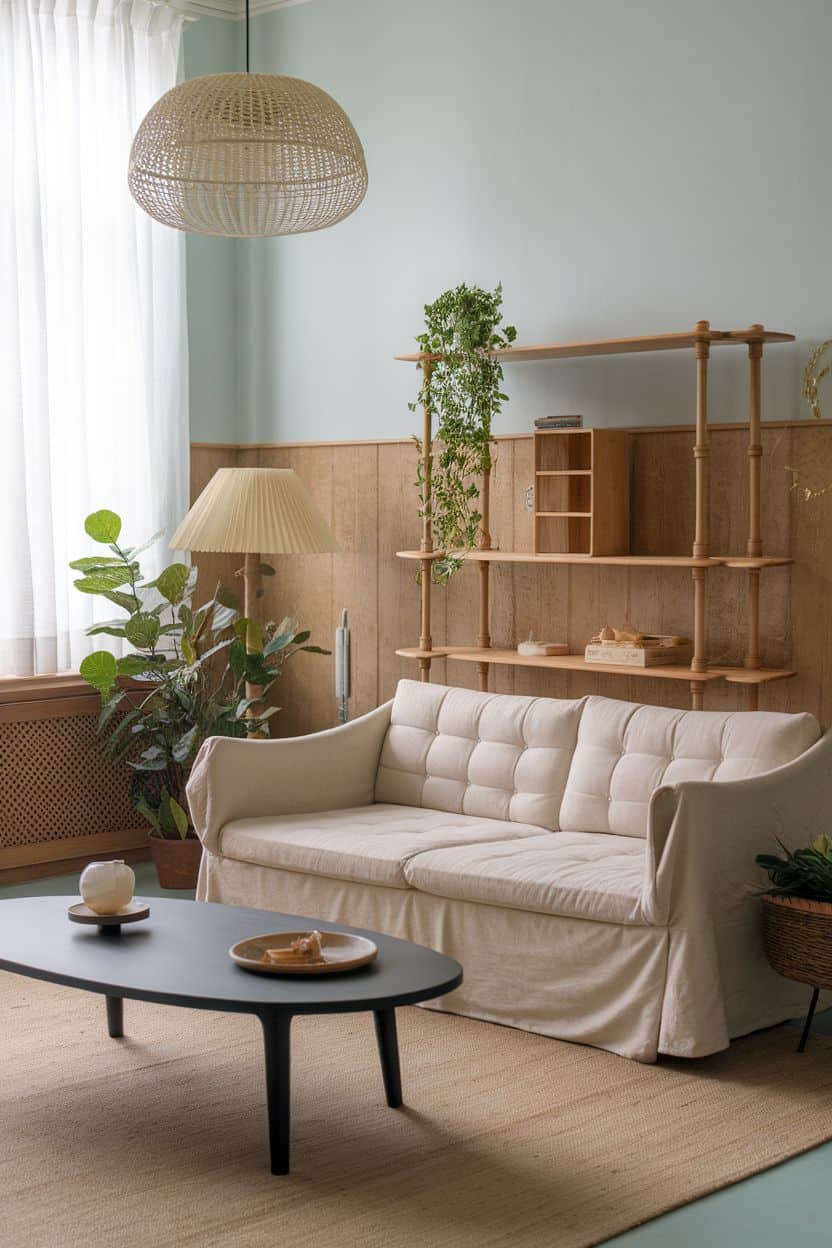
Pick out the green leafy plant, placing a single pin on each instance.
(184, 675)
(802, 872)
(462, 390)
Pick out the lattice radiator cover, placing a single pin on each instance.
(56, 785)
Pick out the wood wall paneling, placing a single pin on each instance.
(367, 492)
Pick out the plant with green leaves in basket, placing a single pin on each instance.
(803, 872)
(462, 391)
(183, 677)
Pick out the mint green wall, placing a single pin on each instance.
(622, 168)
(210, 46)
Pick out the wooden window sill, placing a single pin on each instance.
(36, 688)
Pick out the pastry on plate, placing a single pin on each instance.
(306, 948)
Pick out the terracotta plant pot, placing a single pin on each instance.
(798, 938)
(177, 862)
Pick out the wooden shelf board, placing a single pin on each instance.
(752, 676)
(566, 515)
(527, 556)
(629, 561)
(438, 652)
(621, 346)
(563, 472)
(420, 554)
(576, 663)
(568, 433)
(754, 561)
(563, 662)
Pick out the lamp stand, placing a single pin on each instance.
(251, 587)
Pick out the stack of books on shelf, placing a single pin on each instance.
(559, 422)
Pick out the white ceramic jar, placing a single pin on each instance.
(107, 886)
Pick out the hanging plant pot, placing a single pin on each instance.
(176, 861)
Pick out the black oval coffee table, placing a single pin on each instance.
(179, 956)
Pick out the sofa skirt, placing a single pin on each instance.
(571, 979)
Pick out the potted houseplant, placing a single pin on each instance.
(181, 679)
(797, 916)
(462, 390)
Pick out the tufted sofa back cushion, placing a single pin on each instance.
(486, 754)
(624, 751)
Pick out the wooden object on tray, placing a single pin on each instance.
(582, 514)
(582, 491)
(631, 648)
(637, 656)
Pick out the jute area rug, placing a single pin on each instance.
(508, 1139)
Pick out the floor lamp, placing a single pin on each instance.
(252, 512)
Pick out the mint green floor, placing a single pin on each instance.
(787, 1207)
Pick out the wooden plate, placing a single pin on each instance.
(341, 952)
(131, 913)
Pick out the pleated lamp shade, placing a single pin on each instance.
(255, 511)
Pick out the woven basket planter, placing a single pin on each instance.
(798, 938)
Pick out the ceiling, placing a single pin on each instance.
(233, 9)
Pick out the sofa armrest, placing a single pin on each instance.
(703, 884)
(702, 833)
(236, 778)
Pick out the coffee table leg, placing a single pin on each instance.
(388, 1051)
(115, 1017)
(276, 1029)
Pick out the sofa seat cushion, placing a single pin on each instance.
(365, 844)
(586, 875)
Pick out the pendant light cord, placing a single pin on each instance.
(248, 39)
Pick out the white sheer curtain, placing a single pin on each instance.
(93, 346)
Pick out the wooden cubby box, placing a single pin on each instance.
(581, 492)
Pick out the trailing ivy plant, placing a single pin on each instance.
(184, 674)
(462, 390)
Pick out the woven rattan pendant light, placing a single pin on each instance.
(247, 155)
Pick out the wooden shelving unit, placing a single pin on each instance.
(573, 469)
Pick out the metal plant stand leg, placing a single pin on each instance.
(388, 1051)
(276, 1028)
(115, 1017)
(807, 1026)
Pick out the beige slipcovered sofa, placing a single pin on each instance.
(590, 862)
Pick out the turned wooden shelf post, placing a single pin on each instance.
(484, 634)
(754, 545)
(426, 544)
(701, 451)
